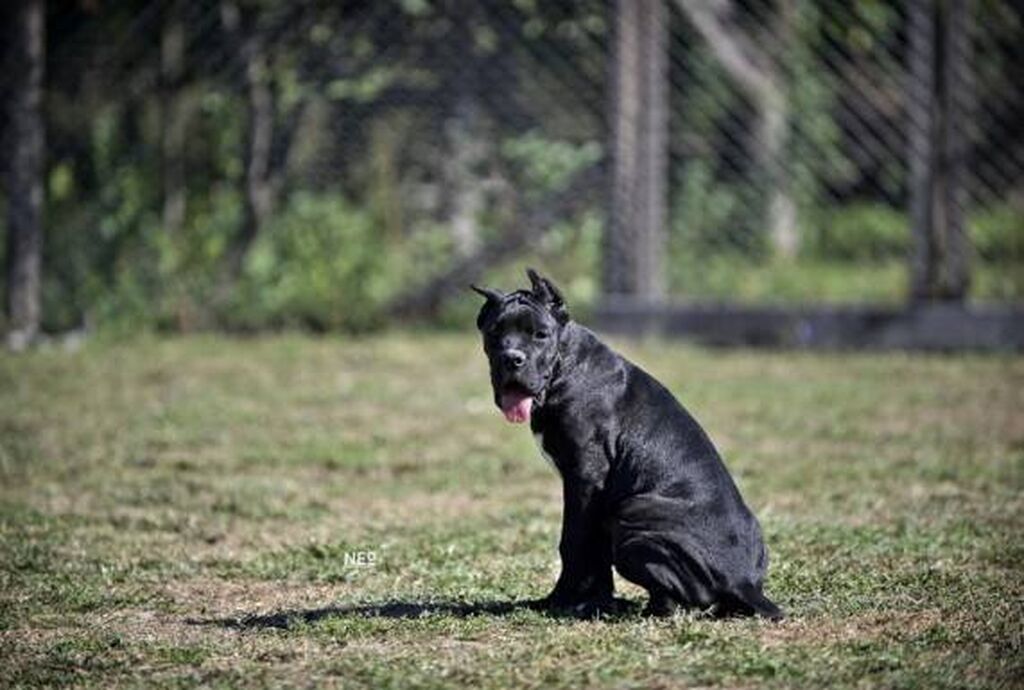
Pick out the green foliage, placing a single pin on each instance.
(868, 232)
(359, 159)
(813, 156)
(708, 217)
(734, 278)
(191, 265)
(99, 252)
(570, 253)
(320, 264)
(997, 234)
(858, 232)
(731, 278)
(549, 163)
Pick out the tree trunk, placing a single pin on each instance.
(751, 69)
(467, 152)
(465, 144)
(774, 113)
(635, 237)
(172, 64)
(782, 214)
(259, 185)
(24, 153)
(259, 196)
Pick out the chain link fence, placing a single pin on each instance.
(253, 163)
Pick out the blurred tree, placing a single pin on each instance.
(753, 70)
(174, 115)
(184, 138)
(464, 131)
(24, 156)
(249, 44)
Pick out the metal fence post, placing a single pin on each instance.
(956, 101)
(635, 235)
(921, 108)
(939, 89)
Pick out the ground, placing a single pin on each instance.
(313, 511)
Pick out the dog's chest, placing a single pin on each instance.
(539, 438)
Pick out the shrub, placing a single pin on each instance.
(320, 264)
(710, 216)
(859, 232)
(998, 234)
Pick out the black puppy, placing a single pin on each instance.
(644, 488)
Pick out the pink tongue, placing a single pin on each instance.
(516, 407)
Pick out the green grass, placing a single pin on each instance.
(178, 512)
(735, 279)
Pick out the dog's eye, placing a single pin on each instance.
(540, 335)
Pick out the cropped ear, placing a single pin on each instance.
(494, 298)
(547, 293)
(491, 295)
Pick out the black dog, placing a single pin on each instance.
(644, 488)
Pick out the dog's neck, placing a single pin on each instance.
(577, 347)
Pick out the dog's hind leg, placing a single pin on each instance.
(648, 550)
(672, 579)
(639, 561)
(749, 600)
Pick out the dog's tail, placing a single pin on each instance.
(749, 600)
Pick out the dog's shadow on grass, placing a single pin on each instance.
(284, 620)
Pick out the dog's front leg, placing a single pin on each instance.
(585, 548)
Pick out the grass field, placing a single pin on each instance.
(206, 510)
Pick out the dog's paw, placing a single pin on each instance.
(660, 607)
(590, 608)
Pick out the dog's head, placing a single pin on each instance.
(521, 332)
